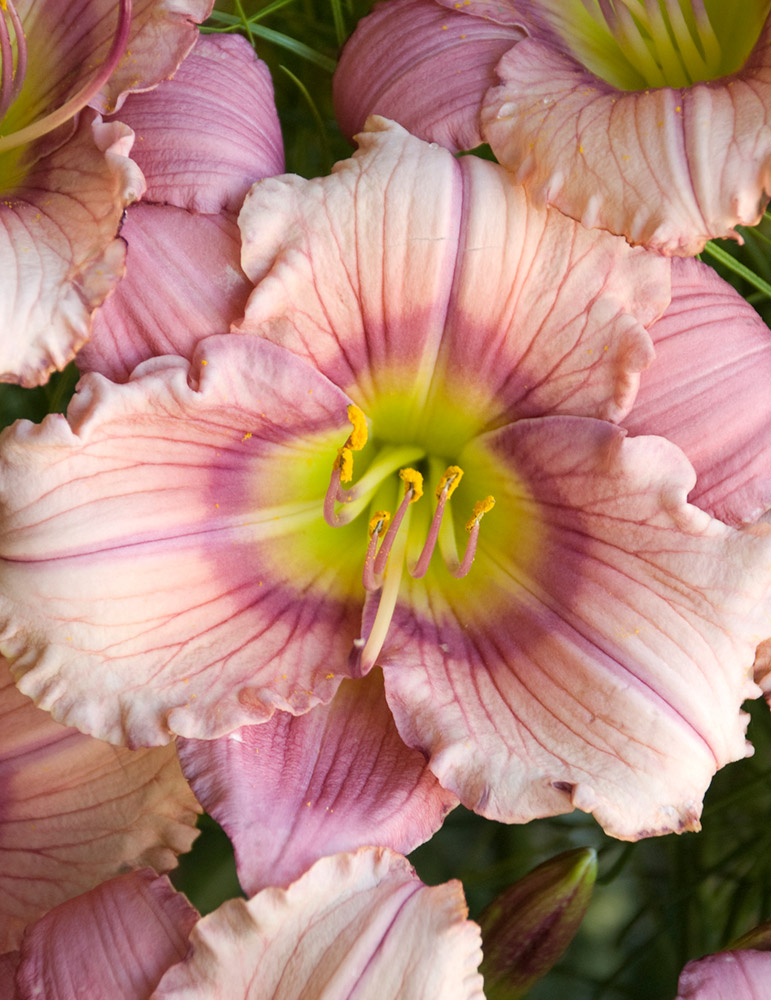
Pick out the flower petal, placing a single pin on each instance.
(168, 302)
(115, 941)
(165, 564)
(356, 925)
(292, 790)
(668, 168)
(198, 147)
(423, 66)
(59, 255)
(76, 811)
(162, 34)
(599, 652)
(740, 975)
(391, 257)
(712, 349)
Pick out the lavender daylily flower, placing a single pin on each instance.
(648, 119)
(208, 543)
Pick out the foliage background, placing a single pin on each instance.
(657, 903)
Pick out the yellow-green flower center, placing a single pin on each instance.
(637, 44)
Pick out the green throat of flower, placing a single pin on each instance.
(390, 534)
(640, 44)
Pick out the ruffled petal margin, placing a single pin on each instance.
(596, 661)
(295, 789)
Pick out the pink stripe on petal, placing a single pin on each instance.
(115, 941)
(597, 657)
(422, 66)
(356, 925)
(292, 790)
(170, 541)
(168, 302)
(198, 147)
(75, 811)
(667, 168)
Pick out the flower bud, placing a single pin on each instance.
(528, 927)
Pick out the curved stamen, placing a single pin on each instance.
(20, 69)
(413, 490)
(481, 507)
(377, 525)
(447, 486)
(6, 55)
(76, 103)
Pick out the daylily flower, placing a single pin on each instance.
(356, 924)
(648, 119)
(200, 152)
(76, 811)
(65, 174)
(191, 550)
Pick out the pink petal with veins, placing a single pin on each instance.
(59, 255)
(168, 302)
(360, 926)
(599, 651)
(667, 168)
(295, 789)
(738, 975)
(75, 811)
(422, 66)
(165, 563)
(391, 258)
(115, 941)
(197, 147)
(708, 392)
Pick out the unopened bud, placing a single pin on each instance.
(528, 927)
(758, 939)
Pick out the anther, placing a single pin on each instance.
(342, 467)
(377, 526)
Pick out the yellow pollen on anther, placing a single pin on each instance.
(481, 507)
(358, 436)
(379, 522)
(344, 462)
(412, 480)
(451, 480)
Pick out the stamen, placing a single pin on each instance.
(481, 507)
(413, 490)
(377, 525)
(447, 486)
(342, 467)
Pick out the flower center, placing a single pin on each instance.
(636, 44)
(390, 535)
(22, 120)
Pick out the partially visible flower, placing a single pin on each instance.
(76, 811)
(191, 551)
(651, 120)
(358, 924)
(528, 927)
(65, 175)
(200, 151)
(741, 972)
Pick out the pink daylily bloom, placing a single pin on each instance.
(200, 154)
(648, 120)
(184, 554)
(65, 174)
(297, 788)
(76, 811)
(728, 975)
(356, 925)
